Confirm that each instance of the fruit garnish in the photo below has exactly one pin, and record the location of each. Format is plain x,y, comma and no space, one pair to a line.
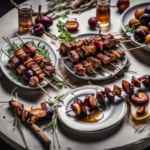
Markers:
76,108
128,87
109,94
135,108
82,105
123,5
71,25
135,81
100,97
145,80
93,22
139,34
134,22
147,39
140,98
141,110
90,101
117,90
138,13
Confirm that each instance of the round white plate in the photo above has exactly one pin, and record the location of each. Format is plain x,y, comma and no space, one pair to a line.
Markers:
114,112
6,68
127,16
100,75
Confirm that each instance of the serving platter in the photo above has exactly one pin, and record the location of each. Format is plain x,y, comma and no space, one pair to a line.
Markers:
100,75
6,68
113,112
127,16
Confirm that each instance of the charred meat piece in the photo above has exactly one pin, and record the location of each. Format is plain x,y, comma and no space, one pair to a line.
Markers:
91,49
28,47
34,81
119,53
14,61
49,70
65,47
105,59
43,62
82,52
21,69
79,69
109,43
112,56
20,53
29,63
94,61
97,38
88,66
41,75
79,43
73,56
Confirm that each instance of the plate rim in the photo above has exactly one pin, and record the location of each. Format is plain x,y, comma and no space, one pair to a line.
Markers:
106,128
90,77
25,37
121,23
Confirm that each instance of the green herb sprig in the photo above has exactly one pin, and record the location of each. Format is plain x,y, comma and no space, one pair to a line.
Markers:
53,3
17,122
54,122
63,15
130,29
125,69
15,77
60,84
61,26
41,49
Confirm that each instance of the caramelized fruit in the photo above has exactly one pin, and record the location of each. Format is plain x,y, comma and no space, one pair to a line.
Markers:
128,87
43,105
98,45
109,94
82,105
90,101
71,25
34,118
147,9
14,104
147,39
40,113
123,5
100,97
140,98
141,110
76,108
135,81
133,22
27,75
117,90
138,13
49,112
145,29
145,80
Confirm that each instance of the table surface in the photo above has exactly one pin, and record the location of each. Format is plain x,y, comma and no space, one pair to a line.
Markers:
122,137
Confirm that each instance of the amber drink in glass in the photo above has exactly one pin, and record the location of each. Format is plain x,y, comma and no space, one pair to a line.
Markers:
25,17
103,12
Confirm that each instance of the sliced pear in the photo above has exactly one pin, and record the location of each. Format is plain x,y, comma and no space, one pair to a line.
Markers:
134,109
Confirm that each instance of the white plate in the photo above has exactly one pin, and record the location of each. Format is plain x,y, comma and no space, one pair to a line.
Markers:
127,16
114,112
99,76
6,68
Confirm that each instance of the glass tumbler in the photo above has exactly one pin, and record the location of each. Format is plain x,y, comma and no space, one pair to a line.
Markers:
25,17
103,12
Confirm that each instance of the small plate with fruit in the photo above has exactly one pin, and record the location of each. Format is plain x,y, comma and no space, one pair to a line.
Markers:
86,109
135,21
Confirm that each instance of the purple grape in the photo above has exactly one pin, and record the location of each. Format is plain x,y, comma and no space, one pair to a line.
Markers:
145,19
139,34
27,75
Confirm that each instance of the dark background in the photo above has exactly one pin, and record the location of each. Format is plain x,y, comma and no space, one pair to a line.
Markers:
5,6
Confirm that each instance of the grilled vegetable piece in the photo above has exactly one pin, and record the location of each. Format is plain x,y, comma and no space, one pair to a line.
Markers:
90,101
76,108
100,96
79,69
14,61
49,70
128,87
117,90
73,56
20,53
82,105
21,69
109,94
135,81
28,47
34,81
